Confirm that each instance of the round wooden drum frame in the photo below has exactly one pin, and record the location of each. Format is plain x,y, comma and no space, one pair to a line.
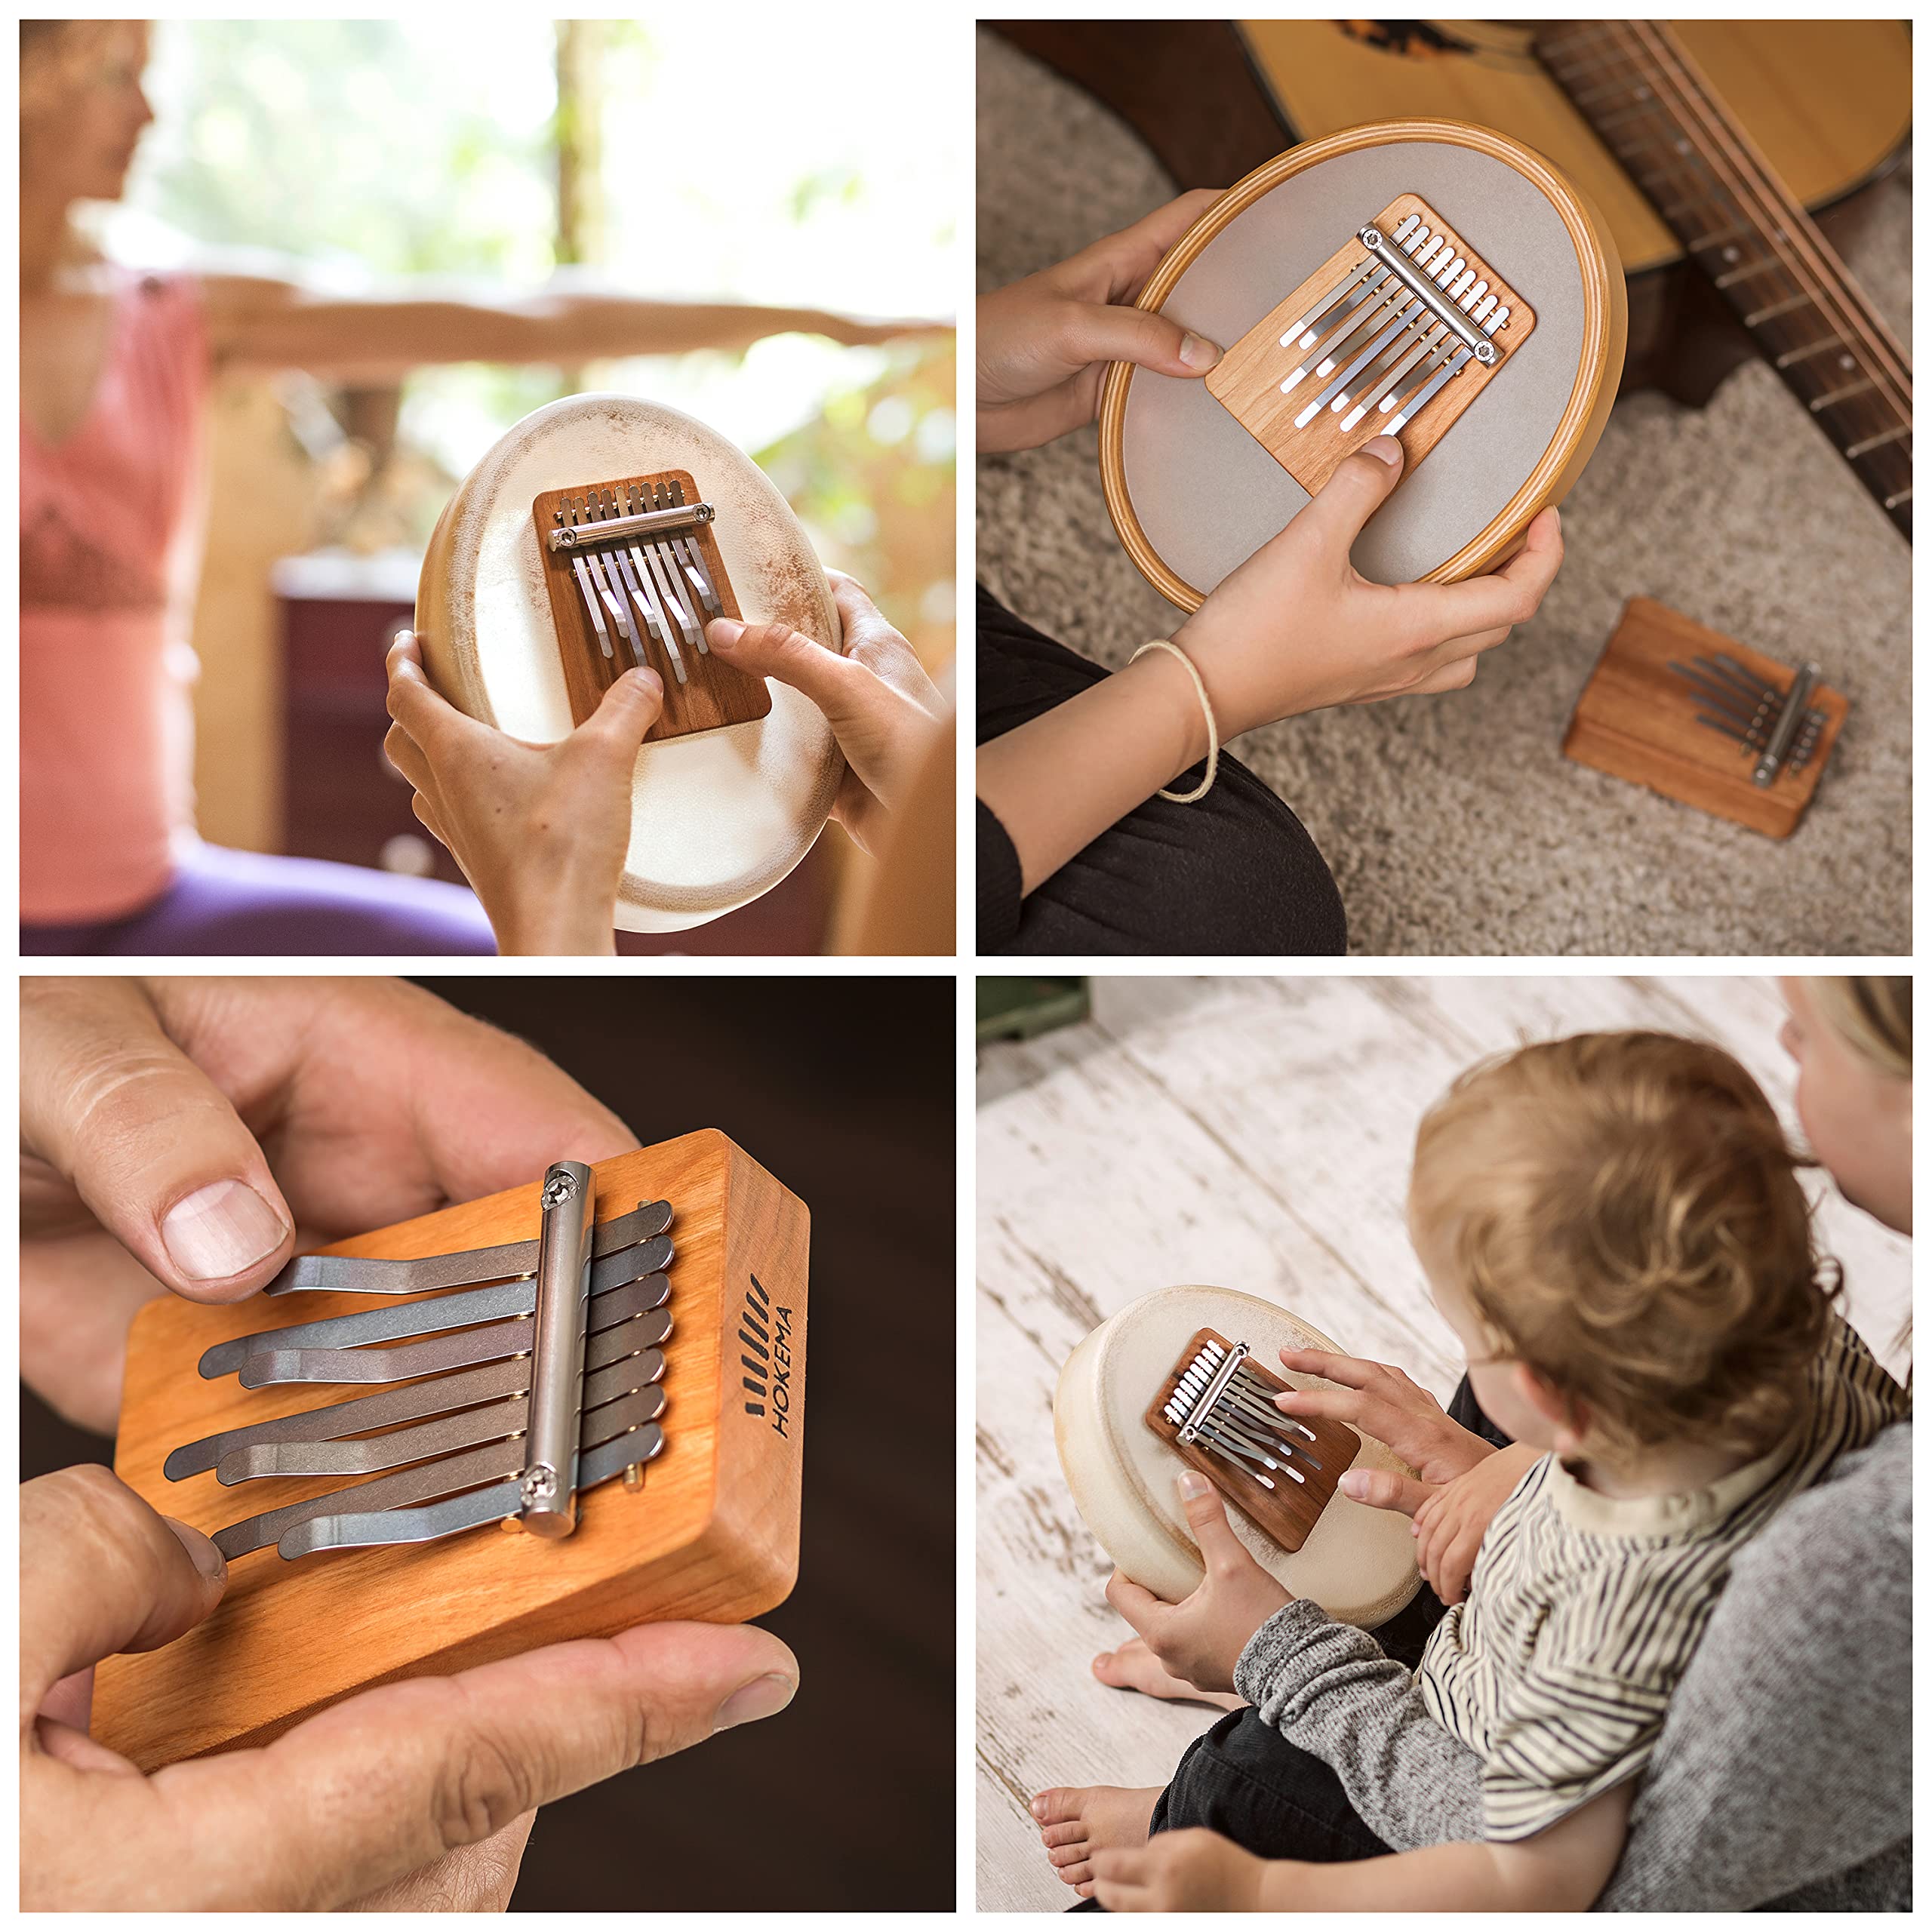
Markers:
1594,389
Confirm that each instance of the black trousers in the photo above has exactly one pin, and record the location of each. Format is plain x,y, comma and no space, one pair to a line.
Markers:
1235,873
1245,1780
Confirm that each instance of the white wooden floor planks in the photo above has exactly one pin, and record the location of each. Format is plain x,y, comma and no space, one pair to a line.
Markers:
1255,1133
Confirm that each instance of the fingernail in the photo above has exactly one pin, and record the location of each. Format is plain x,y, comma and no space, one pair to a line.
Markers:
1191,1483
1198,352
762,1697
723,632
644,675
1354,1484
220,1230
1385,448
207,1558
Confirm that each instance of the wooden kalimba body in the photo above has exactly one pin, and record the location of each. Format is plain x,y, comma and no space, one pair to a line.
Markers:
1146,1395
1427,279
602,532
610,1360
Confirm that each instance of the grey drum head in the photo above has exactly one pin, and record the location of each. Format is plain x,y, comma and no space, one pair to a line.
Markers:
1208,495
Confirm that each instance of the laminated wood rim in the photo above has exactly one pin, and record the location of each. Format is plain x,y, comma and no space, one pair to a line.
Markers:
1592,392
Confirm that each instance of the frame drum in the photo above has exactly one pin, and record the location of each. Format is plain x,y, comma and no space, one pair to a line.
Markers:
1193,495
718,816
1359,1564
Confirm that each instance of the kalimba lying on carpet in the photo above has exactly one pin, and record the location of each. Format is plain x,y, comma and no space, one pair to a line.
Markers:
603,532
1181,1379
610,1361
1703,719
1424,279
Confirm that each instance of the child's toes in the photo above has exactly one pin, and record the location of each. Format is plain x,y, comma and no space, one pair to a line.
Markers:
1072,1833
1085,1888
1062,1856
1080,1877
1057,1804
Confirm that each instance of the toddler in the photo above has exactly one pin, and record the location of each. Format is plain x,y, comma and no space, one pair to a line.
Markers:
1614,1227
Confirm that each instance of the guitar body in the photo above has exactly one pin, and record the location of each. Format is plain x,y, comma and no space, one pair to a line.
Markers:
1828,102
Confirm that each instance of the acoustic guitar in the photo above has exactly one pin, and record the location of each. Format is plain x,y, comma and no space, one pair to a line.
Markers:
1727,157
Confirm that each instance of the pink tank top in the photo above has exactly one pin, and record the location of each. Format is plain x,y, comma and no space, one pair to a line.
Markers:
110,545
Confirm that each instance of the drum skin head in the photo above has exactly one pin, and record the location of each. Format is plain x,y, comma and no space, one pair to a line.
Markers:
1359,1564
1207,495
719,817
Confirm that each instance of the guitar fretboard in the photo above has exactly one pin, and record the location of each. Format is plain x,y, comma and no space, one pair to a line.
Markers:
1636,84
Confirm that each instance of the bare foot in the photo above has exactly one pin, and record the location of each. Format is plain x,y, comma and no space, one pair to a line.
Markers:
1074,1823
1134,1667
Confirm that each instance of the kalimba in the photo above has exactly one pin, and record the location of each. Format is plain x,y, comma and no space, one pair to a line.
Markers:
610,1361
1425,279
1181,1379
603,532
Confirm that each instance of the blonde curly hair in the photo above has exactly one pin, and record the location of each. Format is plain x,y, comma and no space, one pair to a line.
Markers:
1623,1211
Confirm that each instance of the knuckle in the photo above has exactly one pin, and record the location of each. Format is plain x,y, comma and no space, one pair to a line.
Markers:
479,1789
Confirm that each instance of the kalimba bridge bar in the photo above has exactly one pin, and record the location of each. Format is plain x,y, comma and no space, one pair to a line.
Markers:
1395,334
634,573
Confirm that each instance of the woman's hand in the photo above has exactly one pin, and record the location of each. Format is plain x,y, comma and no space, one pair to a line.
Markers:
1297,628
1191,1871
540,831
1375,1399
151,1112
1044,343
413,1796
886,713
1200,1639
1449,1525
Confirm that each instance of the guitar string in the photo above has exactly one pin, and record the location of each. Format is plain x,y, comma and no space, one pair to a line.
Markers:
1860,338
1636,70
1834,283
1888,462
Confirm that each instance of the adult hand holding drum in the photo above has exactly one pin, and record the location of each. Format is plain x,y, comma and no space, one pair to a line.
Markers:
634,695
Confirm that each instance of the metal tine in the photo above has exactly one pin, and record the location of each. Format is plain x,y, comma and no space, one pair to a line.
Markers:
667,555
439,1436
607,1349
496,1462
1728,668
612,602
463,1348
605,502
661,569
581,567
350,1418
1369,265
425,1318
1414,309
693,553
1387,288
1236,1414
619,563
1415,403
346,1273
1342,321
382,1529
1382,394
664,629
1231,1452
1266,1416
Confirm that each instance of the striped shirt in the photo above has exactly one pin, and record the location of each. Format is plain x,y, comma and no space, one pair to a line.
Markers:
1584,1610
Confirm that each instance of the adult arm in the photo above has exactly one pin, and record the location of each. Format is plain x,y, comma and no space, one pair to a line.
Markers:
259,322
1786,1758
1295,630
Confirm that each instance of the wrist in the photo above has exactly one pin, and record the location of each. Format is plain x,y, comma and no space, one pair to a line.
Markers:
1168,694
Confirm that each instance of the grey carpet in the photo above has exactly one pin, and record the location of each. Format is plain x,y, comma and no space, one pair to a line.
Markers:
1454,824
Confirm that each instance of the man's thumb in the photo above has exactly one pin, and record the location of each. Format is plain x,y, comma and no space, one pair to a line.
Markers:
1358,488
147,1140
1383,1489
